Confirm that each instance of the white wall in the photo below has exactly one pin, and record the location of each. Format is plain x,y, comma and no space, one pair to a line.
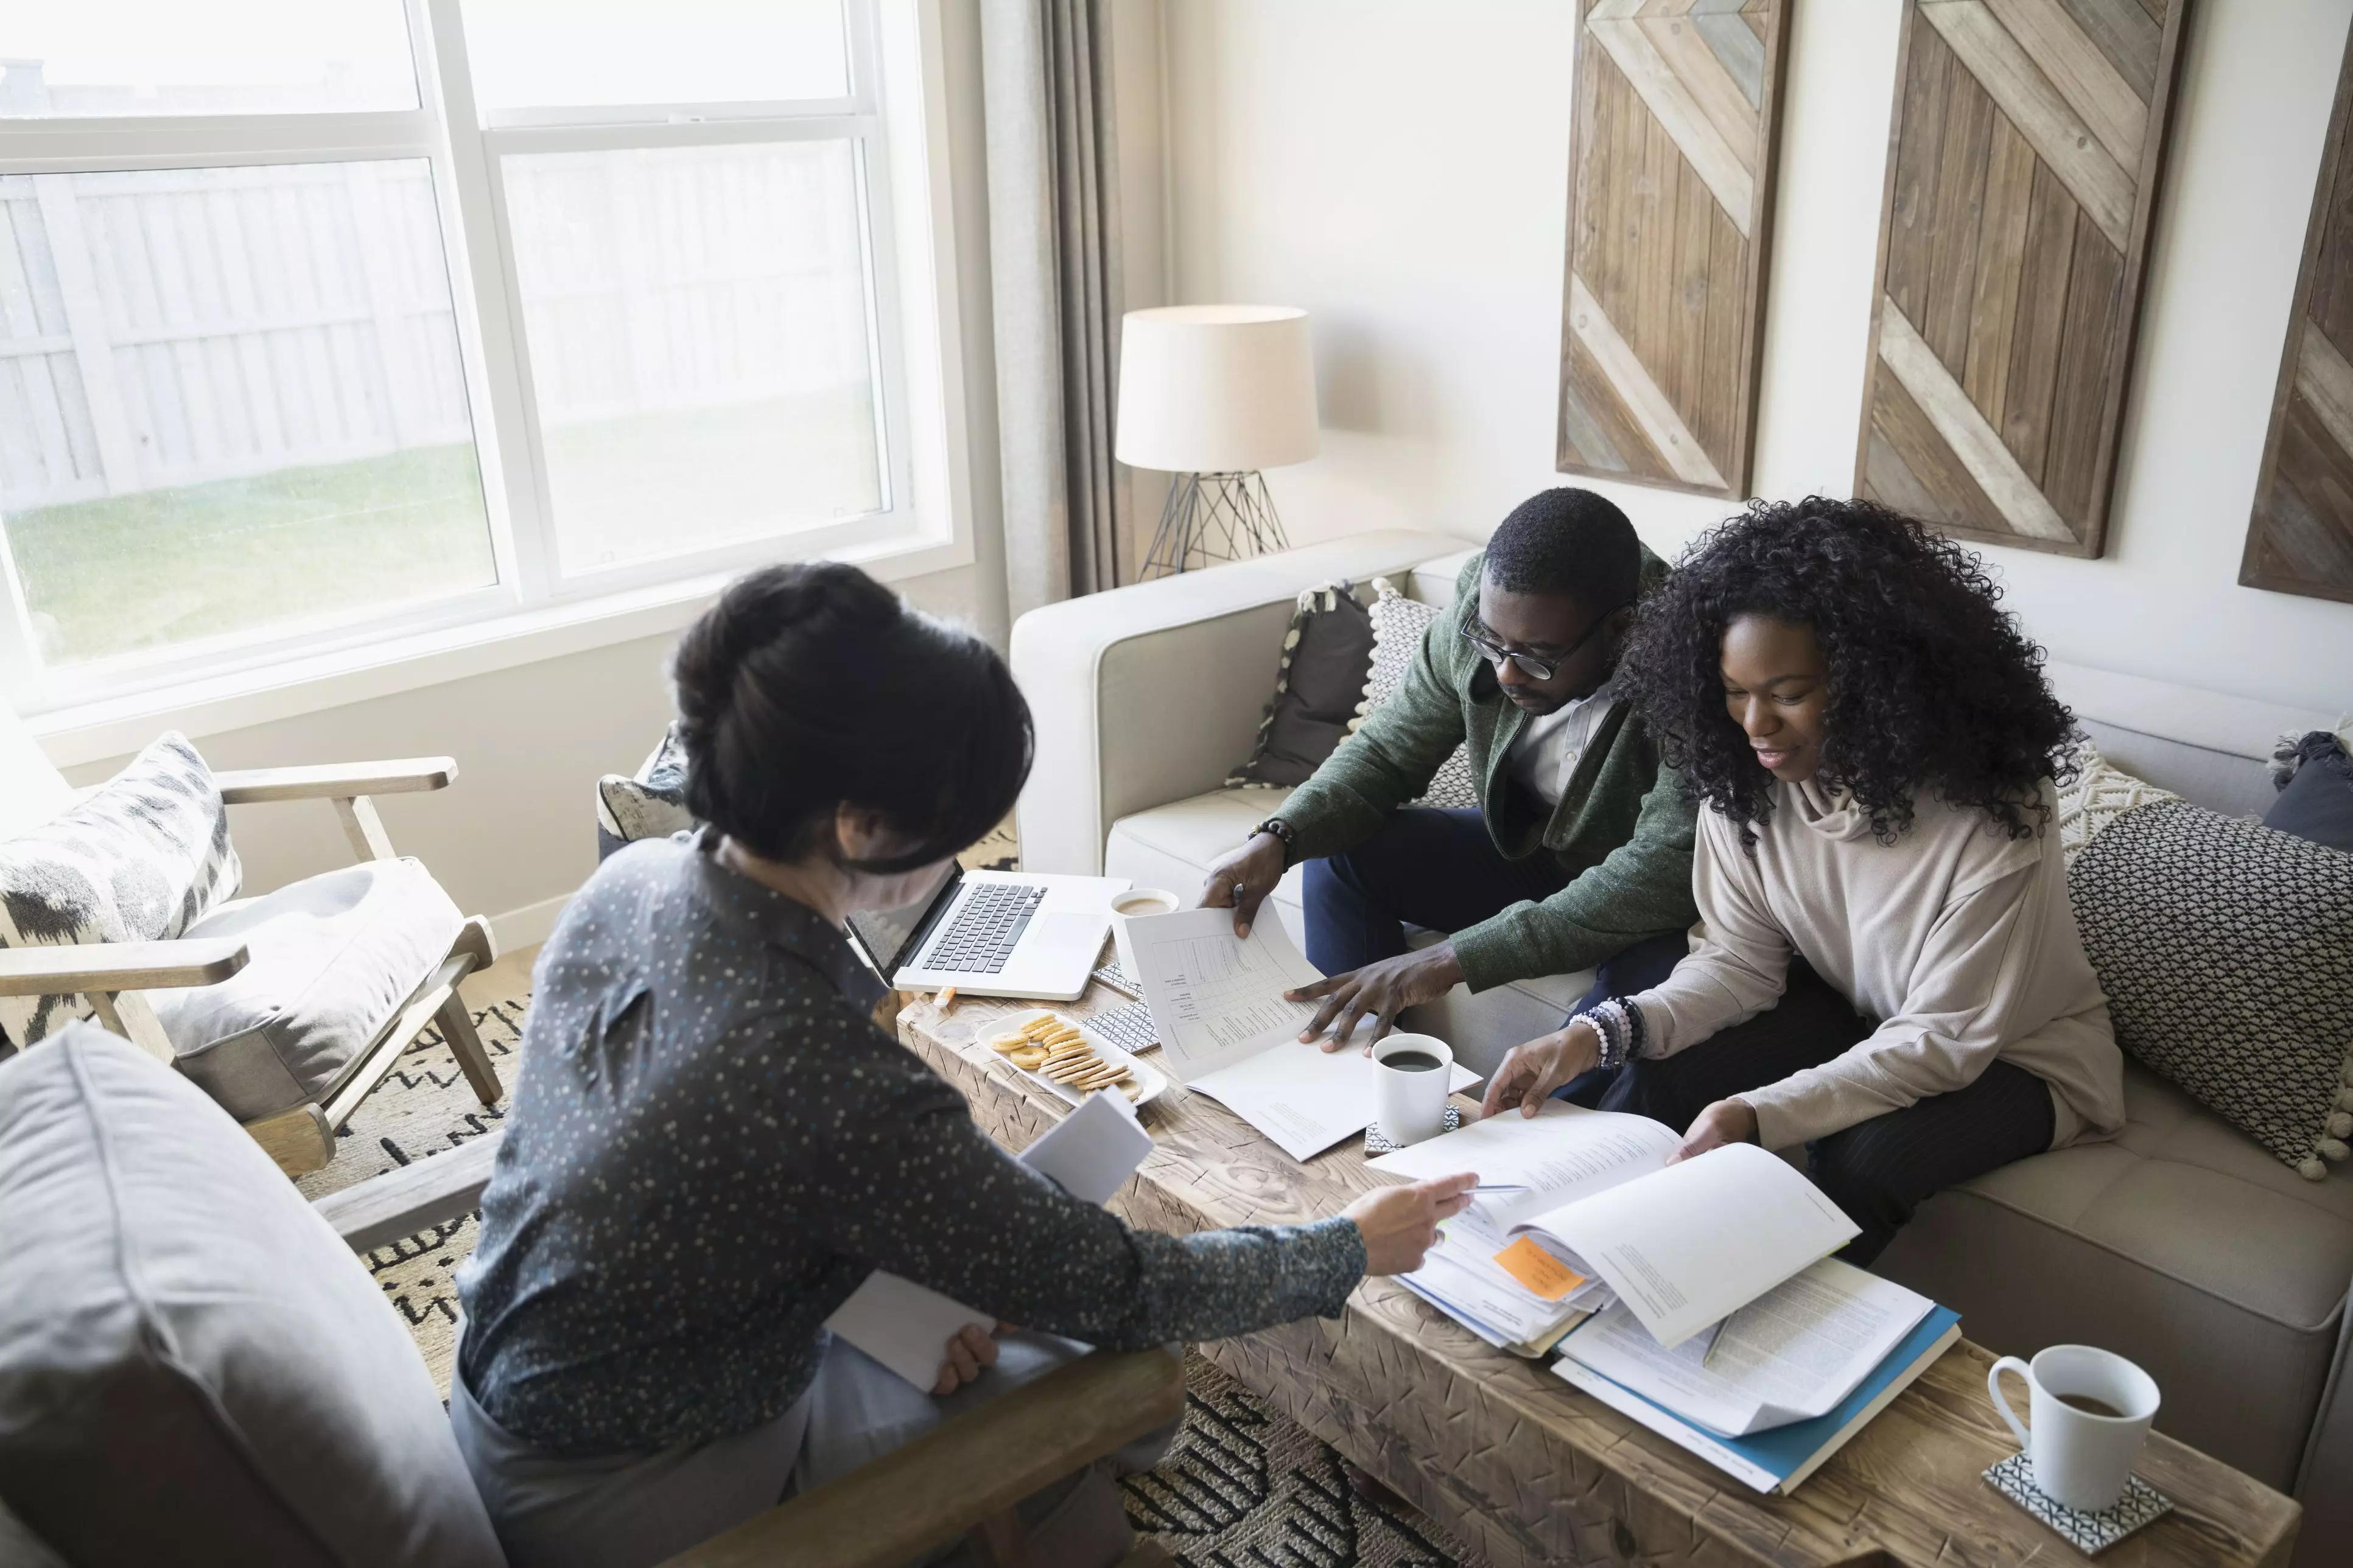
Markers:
517,833
1401,170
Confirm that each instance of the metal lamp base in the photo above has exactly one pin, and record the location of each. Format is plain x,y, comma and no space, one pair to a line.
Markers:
1209,518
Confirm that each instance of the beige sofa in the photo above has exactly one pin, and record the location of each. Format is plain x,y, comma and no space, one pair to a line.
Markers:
2180,1244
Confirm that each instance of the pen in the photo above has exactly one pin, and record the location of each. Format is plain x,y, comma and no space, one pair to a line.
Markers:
1714,1340
1502,1187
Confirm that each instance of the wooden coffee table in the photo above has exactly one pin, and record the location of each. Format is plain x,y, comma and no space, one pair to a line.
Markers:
1528,1469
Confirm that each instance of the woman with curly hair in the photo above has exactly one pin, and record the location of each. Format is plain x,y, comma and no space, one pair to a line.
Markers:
1886,968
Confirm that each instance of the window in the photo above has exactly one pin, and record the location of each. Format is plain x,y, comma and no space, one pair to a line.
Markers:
326,321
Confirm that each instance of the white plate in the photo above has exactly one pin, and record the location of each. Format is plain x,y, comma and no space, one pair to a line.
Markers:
1146,1078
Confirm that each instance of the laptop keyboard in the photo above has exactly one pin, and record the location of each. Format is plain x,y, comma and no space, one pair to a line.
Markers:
990,920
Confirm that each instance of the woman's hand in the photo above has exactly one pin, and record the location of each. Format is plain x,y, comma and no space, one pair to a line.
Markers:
1398,1224
1379,991
970,1347
1533,1071
1725,1122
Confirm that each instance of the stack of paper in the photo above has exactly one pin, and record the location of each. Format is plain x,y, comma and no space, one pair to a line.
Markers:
1227,1031
1784,1383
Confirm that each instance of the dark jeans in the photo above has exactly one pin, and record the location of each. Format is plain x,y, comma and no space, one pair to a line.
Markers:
1877,1171
1440,869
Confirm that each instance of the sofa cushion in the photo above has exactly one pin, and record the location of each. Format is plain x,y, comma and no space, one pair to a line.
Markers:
206,1374
143,859
2180,1244
332,960
1172,847
1399,623
1319,684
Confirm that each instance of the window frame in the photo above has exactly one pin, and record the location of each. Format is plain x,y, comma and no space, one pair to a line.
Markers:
922,524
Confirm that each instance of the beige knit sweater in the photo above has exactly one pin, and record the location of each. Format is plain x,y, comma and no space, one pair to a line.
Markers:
1959,938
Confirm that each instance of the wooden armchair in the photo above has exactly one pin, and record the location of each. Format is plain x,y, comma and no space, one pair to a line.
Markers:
960,1480
301,1137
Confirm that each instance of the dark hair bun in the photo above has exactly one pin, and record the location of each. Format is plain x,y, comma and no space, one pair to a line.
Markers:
809,686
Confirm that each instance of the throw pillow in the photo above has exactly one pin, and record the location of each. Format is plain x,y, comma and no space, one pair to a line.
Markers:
1399,625
1325,651
2226,952
2316,798
649,804
142,860
2090,803
204,1373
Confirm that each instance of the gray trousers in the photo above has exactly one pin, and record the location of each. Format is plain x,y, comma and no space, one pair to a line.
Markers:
633,1510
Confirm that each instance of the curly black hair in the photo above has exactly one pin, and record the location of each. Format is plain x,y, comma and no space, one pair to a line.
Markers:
1932,686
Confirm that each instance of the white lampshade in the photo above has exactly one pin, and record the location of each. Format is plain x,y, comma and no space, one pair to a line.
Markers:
1211,389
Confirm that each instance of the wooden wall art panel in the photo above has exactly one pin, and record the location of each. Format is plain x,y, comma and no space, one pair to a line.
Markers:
1676,107
2022,172
2300,540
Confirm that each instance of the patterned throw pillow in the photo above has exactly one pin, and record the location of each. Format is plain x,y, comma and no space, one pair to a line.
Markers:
142,860
1398,624
2091,802
649,804
2226,952
1325,651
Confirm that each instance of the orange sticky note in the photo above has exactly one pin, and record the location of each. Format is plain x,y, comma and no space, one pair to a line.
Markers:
1543,1273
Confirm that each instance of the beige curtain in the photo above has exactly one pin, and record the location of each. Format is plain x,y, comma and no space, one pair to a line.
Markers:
1054,257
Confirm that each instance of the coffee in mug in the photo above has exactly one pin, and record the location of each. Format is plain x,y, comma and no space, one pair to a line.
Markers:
1126,907
2092,1410
1413,1087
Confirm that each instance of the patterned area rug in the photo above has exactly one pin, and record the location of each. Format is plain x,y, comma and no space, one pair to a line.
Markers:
1242,1487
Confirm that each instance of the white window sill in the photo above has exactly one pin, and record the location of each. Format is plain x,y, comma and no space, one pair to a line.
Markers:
118,726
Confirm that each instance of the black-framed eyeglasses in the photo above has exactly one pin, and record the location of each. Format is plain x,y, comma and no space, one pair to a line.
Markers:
1533,667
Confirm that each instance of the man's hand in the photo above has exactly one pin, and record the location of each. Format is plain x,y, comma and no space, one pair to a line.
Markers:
1533,1071
971,1348
1399,1223
1725,1122
1382,990
1243,879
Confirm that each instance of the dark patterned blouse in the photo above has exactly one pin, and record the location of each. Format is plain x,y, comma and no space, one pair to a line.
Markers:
710,1146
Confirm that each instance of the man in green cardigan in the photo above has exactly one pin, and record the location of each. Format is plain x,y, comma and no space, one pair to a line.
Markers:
1580,854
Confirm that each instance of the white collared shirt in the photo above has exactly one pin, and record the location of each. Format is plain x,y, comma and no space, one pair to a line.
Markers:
1546,751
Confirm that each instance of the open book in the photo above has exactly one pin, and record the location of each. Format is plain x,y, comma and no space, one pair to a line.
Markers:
1681,1246
1090,1154
1226,1030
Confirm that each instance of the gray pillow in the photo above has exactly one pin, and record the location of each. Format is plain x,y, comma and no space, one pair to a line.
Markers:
1318,686
648,804
2226,952
2315,800
1399,626
142,860
205,1372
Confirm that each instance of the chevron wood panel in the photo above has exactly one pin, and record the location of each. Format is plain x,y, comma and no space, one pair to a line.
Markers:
1676,107
2300,539
2022,170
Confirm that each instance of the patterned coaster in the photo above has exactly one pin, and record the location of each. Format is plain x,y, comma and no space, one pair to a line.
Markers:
1375,1144
2090,1533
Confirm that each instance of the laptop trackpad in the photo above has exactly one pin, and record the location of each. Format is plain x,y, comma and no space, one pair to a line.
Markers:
1060,932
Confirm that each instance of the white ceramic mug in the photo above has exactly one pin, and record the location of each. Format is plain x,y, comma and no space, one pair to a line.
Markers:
1125,906
2080,1458
1413,1100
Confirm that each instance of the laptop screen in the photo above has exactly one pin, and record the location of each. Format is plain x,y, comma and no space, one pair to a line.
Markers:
889,938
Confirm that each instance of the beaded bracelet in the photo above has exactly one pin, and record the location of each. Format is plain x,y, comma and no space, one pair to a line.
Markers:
1618,1026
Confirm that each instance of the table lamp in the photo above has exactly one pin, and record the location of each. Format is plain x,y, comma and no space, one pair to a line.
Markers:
1213,393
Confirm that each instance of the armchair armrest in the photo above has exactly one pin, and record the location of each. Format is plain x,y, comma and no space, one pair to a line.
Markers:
932,1490
114,966
1152,693
382,1209
330,781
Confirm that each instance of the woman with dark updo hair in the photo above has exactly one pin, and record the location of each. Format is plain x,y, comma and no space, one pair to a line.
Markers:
1886,968
712,1145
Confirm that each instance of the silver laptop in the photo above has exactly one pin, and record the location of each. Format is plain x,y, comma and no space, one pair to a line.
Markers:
994,933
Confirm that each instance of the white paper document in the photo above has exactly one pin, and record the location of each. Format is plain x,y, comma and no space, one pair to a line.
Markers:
1793,1353
1560,1155
1693,1243
1090,1154
1225,1029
